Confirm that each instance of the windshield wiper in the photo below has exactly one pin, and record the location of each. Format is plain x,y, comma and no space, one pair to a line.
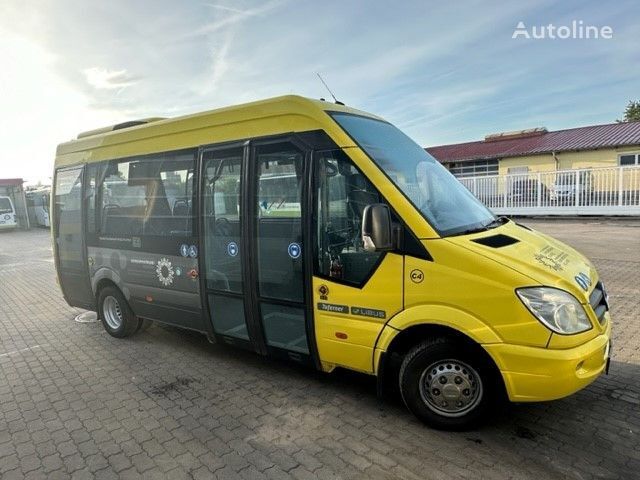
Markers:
482,228
496,223
469,231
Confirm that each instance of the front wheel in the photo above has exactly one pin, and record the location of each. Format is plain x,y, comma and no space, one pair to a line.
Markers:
117,317
448,384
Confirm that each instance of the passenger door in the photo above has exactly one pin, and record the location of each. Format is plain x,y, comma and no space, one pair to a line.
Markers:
69,239
254,250
277,270
355,292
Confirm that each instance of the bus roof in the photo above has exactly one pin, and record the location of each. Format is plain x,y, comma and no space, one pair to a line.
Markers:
290,113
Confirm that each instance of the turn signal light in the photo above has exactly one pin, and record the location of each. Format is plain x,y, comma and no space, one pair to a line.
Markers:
193,273
342,335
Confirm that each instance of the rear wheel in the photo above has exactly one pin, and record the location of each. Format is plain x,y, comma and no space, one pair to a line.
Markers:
117,317
448,384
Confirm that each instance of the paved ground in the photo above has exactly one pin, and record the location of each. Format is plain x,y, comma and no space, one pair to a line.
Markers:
76,402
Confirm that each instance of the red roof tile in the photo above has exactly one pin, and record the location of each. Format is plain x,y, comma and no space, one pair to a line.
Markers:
582,138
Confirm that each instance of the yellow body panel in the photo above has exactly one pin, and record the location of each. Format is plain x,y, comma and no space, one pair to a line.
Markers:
466,286
539,374
348,339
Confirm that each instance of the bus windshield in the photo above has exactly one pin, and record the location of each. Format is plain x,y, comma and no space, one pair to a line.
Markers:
446,204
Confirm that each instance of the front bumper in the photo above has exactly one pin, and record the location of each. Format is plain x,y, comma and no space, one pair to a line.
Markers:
533,374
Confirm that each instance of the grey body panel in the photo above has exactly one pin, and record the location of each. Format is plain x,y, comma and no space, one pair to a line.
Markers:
157,286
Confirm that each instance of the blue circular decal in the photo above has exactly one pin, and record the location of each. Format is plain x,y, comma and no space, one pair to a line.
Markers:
232,249
193,251
184,250
294,250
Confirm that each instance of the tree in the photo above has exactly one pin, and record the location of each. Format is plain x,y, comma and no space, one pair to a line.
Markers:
632,112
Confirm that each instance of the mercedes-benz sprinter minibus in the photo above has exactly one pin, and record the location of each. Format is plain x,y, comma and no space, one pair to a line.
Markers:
317,232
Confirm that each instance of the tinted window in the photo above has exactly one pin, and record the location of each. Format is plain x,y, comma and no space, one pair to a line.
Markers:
147,196
343,193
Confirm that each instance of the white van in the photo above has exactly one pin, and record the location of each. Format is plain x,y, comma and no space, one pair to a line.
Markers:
7,214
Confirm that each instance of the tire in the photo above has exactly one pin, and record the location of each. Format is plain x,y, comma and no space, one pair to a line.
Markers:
470,379
117,317
144,325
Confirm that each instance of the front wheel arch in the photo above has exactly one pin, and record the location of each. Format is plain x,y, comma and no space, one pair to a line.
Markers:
388,367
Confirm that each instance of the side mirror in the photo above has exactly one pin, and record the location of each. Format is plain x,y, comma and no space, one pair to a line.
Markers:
376,228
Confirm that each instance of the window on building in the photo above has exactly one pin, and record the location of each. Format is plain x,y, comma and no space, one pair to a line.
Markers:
477,168
629,159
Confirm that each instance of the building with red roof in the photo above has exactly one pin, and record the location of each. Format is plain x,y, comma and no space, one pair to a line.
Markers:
538,149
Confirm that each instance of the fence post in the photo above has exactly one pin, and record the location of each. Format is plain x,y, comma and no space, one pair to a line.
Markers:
504,191
577,188
620,185
539,188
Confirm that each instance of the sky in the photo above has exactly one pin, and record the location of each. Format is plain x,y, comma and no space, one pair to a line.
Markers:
444,72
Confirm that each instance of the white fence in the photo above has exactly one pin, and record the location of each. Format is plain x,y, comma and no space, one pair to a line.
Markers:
594,191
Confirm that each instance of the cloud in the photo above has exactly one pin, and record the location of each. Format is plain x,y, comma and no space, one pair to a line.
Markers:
236,16
231,9
104,79
443,71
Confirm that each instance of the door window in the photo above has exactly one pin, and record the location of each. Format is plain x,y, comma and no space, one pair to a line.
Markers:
68,201
280,248
343,193
222,236
279,228
222,173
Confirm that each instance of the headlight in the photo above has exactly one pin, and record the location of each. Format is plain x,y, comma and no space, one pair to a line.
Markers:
556,309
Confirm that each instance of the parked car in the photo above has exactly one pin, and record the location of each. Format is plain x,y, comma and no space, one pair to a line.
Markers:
525,191
7,214
564,189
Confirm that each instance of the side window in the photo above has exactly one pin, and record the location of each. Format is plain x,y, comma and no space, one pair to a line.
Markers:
147,196
123,202
342,194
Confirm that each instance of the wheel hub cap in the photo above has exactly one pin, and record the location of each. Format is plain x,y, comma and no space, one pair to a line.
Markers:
450,388
112,312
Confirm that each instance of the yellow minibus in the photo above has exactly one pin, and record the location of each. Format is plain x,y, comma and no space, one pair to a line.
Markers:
316,232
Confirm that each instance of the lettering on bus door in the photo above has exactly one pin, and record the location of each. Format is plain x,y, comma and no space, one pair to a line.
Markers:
69,238
355,292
